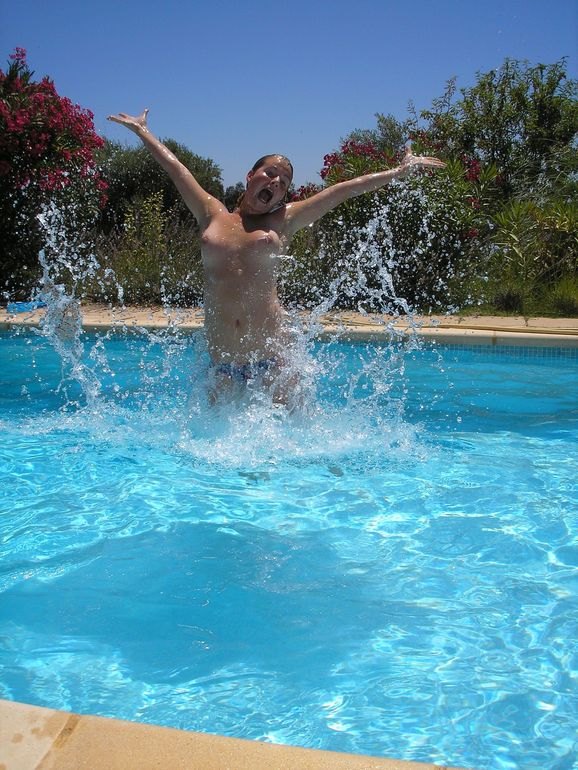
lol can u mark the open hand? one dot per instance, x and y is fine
(136, 124)
(412, 162)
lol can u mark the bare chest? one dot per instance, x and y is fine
(230, 248)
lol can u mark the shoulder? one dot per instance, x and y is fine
(279, 219)
(219, 213)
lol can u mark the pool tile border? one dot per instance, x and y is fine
(460, 336)
(524, 352)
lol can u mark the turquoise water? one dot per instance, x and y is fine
(393, 572)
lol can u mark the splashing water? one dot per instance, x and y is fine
(341, 409)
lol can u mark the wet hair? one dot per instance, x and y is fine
(261, 162)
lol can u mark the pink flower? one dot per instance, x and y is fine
(19, 55)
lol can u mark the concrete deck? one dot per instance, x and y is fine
(457, 329)
(33, 738)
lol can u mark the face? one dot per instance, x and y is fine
(267, 185)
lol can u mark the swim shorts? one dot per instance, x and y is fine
(245, 372)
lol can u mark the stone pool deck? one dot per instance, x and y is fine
(34, 738)
(454, 329)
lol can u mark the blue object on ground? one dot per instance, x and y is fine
(24, 307)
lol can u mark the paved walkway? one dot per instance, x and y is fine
(156, 316)
(34, 738)
(472, 329)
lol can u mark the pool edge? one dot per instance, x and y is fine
(471, 330)
(38, 738)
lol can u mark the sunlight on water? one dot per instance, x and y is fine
(388, 567)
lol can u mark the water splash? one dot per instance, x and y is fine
(341, 408)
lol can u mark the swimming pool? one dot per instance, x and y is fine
(393, 574)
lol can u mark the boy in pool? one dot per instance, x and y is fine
(245, 324)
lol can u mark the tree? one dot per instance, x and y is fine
(500, 219)
(148, 242)
(47, 147)
(389, 136)
(133, 175)
(520, 121)
(232, 195)
(519, 118)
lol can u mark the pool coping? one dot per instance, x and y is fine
(445, 329)
(38, 738)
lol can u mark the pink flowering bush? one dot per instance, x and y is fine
(421, 232)
(355, 158)
(305, 191)
(47, 146)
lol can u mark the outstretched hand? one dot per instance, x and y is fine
(412, 162)
(136, 124)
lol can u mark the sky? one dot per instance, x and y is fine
(237, 79)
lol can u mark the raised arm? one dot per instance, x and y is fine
(199, 201)
(303, 213)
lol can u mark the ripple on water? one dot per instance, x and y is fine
(334, 579)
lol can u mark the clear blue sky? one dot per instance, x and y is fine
(235, 80)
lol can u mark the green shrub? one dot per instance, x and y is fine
(509, 298)
(154, 258)
(563, 297)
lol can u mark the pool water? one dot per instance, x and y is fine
(392, 572)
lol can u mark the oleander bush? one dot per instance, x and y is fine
(47, 148)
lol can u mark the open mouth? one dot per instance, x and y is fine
(265, 196)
